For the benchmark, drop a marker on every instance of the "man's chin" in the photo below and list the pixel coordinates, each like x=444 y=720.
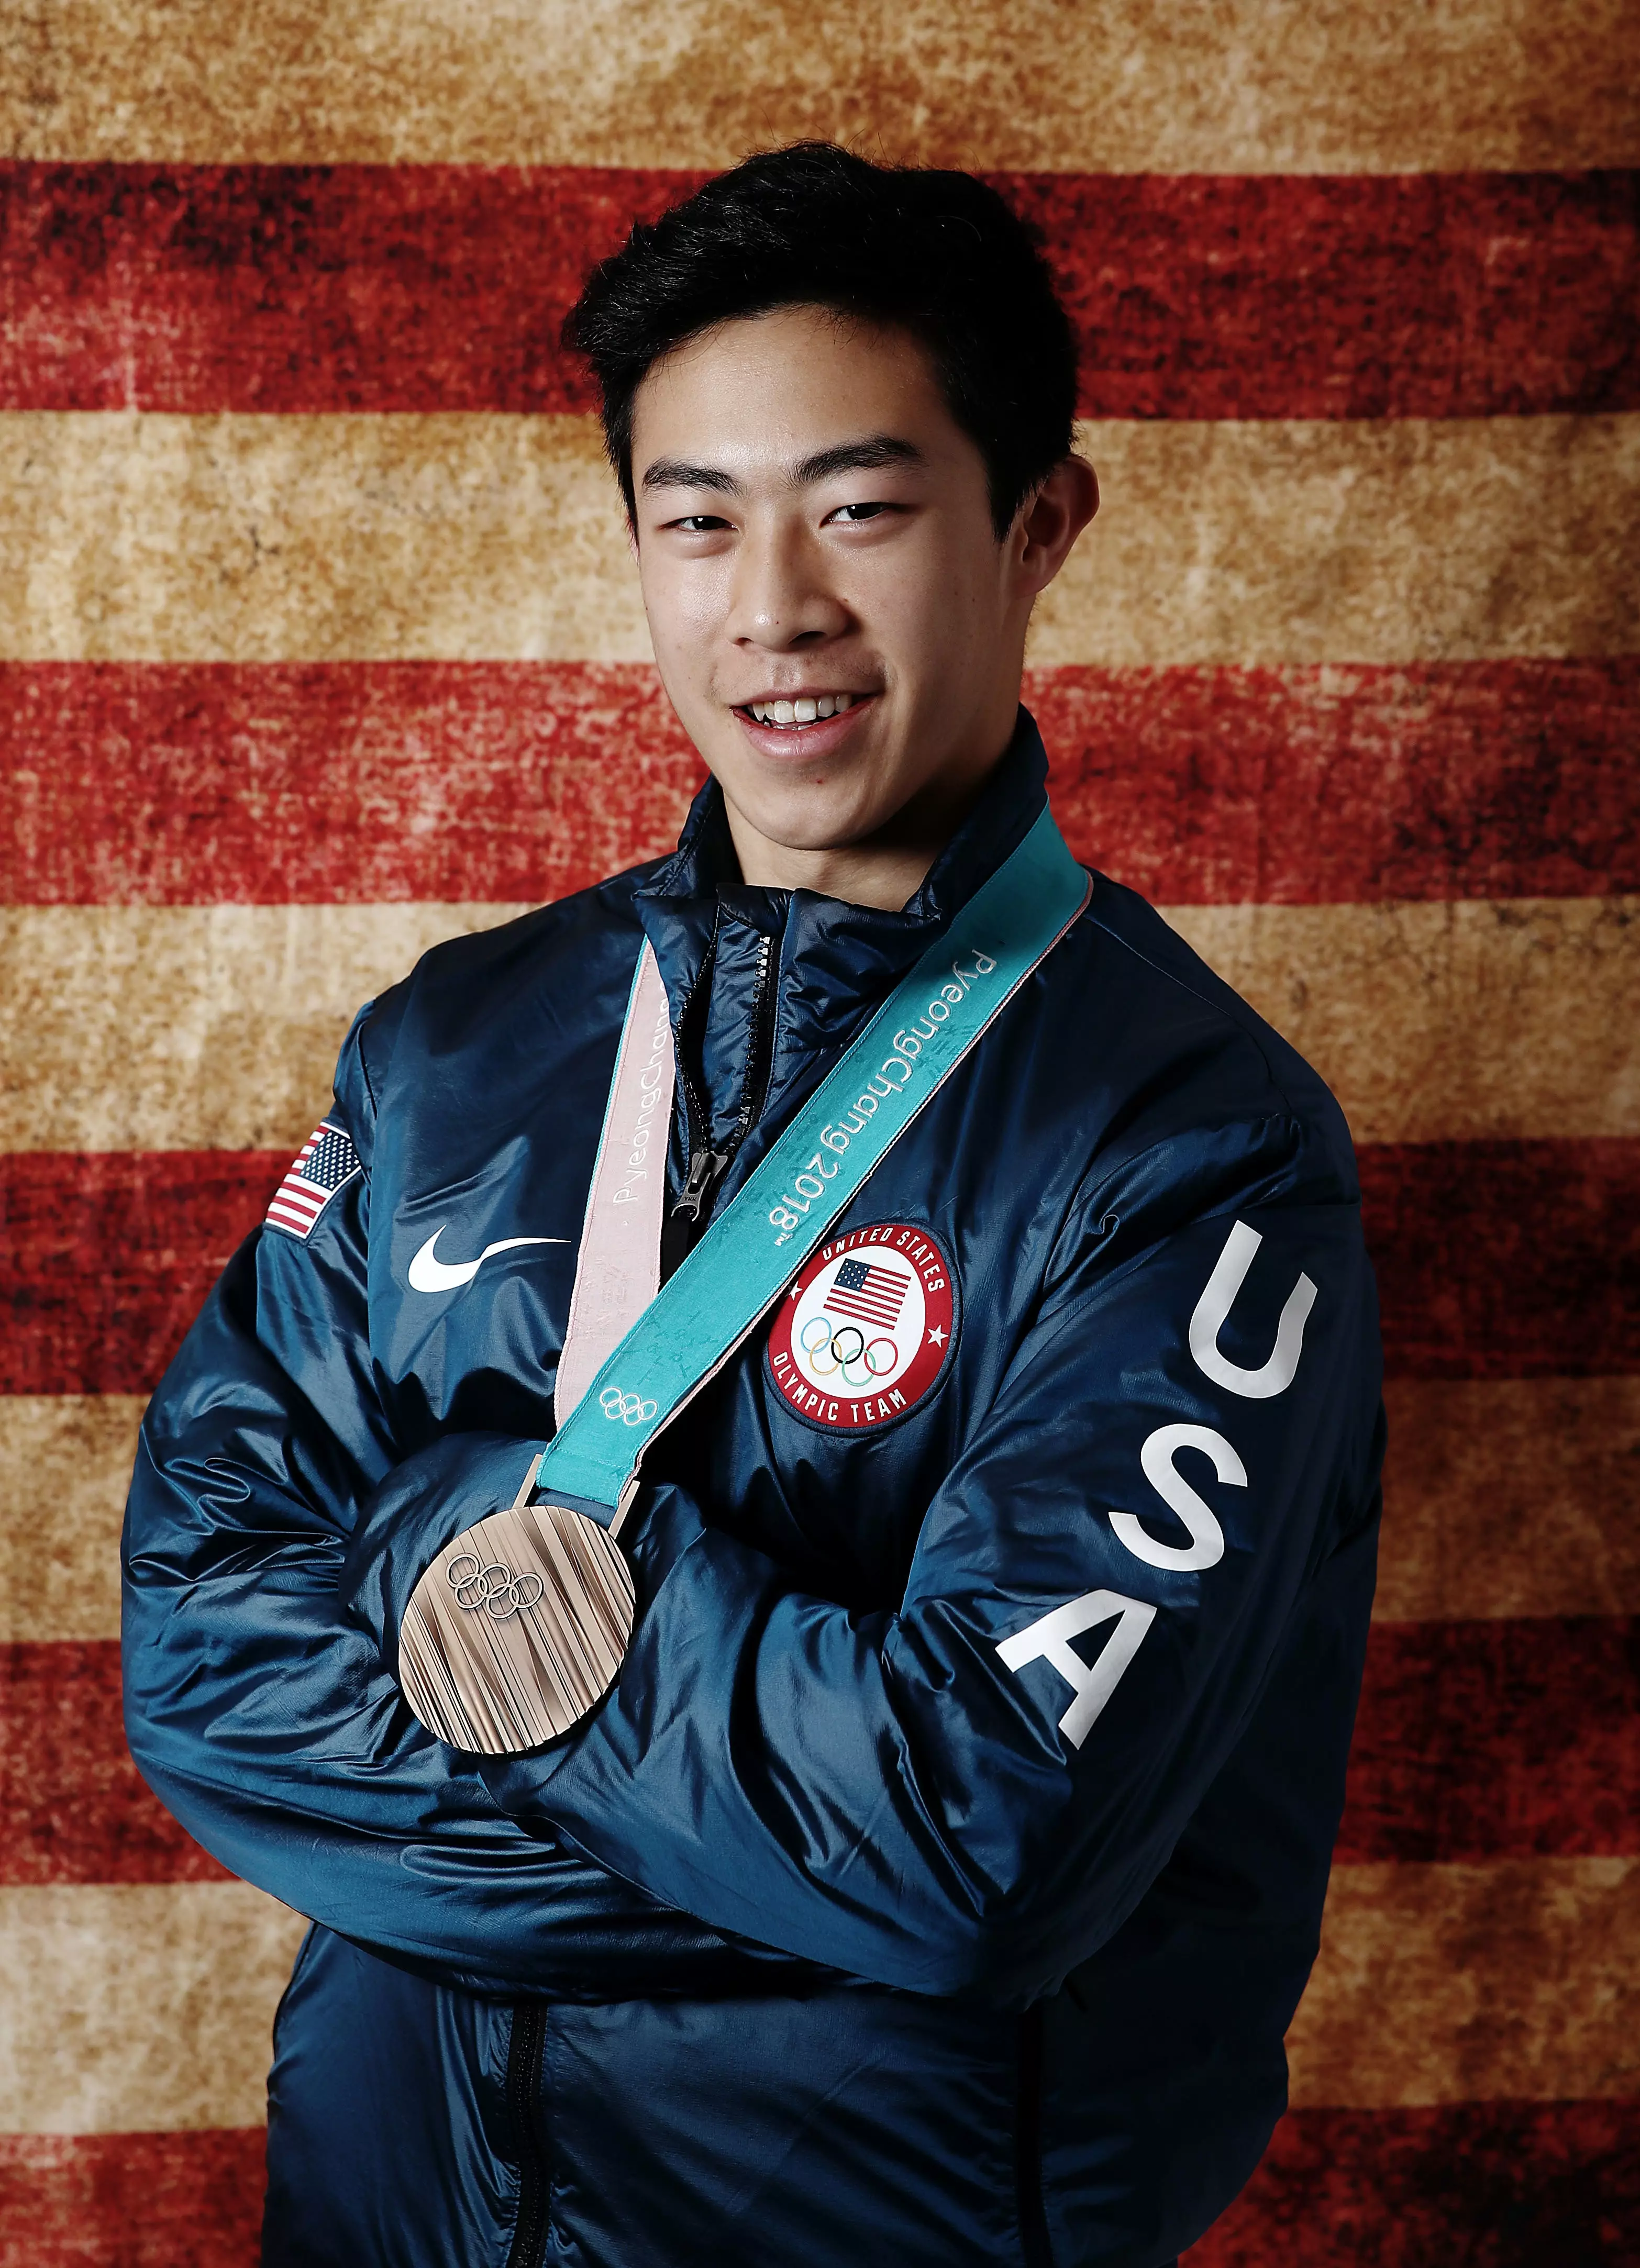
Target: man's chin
x=807 y=825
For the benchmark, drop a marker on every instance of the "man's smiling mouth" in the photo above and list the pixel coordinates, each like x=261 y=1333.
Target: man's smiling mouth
x=804 y=709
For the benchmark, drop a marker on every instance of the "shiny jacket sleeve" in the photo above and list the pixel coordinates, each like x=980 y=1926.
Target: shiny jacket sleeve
x=257 y=1706
x=972 y=1792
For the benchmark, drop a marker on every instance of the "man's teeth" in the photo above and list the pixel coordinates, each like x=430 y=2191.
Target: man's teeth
x=800 y=712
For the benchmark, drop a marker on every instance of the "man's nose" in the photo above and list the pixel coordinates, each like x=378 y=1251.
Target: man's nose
x=783 y=596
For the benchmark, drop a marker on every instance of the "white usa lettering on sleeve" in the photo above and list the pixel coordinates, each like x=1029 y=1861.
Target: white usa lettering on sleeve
x=1048 y=1638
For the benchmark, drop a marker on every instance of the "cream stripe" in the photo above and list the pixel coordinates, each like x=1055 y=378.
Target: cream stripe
x=493 y=537
x=191 y=1027
x=1508 y=1497
x=146 y=2007
x=1247 y=86
x=1512 y=1019
x=1462 y=1984
x=1290 y=541
x=313 y=539
x=1502 y=1497
x=65 y=1464
x=179 y=1028
x=151 y=2007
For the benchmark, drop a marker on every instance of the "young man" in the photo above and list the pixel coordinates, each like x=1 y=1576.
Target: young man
x=936 y=1879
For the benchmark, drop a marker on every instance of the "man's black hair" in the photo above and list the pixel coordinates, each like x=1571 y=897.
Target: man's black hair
x=938 y=254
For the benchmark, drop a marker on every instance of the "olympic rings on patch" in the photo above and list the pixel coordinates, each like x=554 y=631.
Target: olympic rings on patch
x=629 y=1409
x=845 y=1349
x=495 y=1588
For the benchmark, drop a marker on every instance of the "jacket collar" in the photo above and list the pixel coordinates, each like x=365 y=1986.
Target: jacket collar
x=837 y=961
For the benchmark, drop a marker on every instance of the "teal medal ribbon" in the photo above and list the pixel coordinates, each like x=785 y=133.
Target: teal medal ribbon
x=519 y=1626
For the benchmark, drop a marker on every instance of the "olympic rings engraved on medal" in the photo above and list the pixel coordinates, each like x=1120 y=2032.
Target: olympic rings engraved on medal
x=629 y=1409
x=496 y=1588
x=847 y=1348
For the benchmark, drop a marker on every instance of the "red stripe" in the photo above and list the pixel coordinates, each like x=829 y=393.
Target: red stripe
x=1496 y=1740
x=72 y=1806
x=432 y=287
x=1345 y=783
x=1505 y=1259
x=1526 y=2182
x=355 y=784
x=1424 y=295
x=1483 y=2184
x=1474 y=1742
x=189 y=2200
x=106 y=1260
x=364 y=782
x=1494 y=1259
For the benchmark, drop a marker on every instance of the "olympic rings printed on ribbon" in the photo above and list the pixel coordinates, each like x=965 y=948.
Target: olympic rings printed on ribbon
x=847 y=1346
x=630 y=1409
x=495 y=1588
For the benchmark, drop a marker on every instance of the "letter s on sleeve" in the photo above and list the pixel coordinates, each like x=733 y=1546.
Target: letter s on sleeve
x=1206 y=1547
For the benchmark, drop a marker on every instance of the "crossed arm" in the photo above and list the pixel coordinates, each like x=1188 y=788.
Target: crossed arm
x=967 y=1793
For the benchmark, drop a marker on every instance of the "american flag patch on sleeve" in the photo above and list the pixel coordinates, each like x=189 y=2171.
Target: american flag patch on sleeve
x=326 y=1162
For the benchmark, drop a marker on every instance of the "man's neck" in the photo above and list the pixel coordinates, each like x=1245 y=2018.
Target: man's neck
x=861 y=873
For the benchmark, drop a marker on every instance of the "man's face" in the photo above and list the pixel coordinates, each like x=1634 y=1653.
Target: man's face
x=834 y=617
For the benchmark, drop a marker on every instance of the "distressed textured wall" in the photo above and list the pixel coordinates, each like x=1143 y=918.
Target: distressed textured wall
x=318 y=641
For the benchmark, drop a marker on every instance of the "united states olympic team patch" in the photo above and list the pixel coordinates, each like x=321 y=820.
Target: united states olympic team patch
x=866 y=1329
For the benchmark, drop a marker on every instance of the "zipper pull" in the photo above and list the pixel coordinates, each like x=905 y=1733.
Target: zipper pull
x=703 y=1168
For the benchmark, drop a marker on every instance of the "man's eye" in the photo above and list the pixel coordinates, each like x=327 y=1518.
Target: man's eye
x=698 y=523
x=854 y=515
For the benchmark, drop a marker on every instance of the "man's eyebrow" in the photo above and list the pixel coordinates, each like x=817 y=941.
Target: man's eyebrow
x=674 y=473
x=865 y=456
x=868 y=456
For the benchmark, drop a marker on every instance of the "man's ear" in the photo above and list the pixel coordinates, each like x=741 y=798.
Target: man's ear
x=1050 y=522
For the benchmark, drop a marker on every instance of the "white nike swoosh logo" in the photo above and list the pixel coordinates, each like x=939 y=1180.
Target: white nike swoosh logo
x=427 y=1274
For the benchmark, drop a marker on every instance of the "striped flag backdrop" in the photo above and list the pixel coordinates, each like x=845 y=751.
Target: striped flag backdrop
x=319 y=642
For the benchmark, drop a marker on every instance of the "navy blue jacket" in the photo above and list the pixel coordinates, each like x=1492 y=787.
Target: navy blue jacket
x=844 y=1932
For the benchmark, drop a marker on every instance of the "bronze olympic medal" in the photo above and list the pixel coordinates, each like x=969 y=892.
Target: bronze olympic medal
x=516 y=1630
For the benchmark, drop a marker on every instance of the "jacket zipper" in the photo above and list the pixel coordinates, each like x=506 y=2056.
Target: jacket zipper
x=524 y=2098
x=704 y=1166
x=1035 y=2245
x=707 y=1166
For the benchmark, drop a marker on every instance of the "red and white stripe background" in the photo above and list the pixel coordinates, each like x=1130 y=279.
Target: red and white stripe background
x=318 y=641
